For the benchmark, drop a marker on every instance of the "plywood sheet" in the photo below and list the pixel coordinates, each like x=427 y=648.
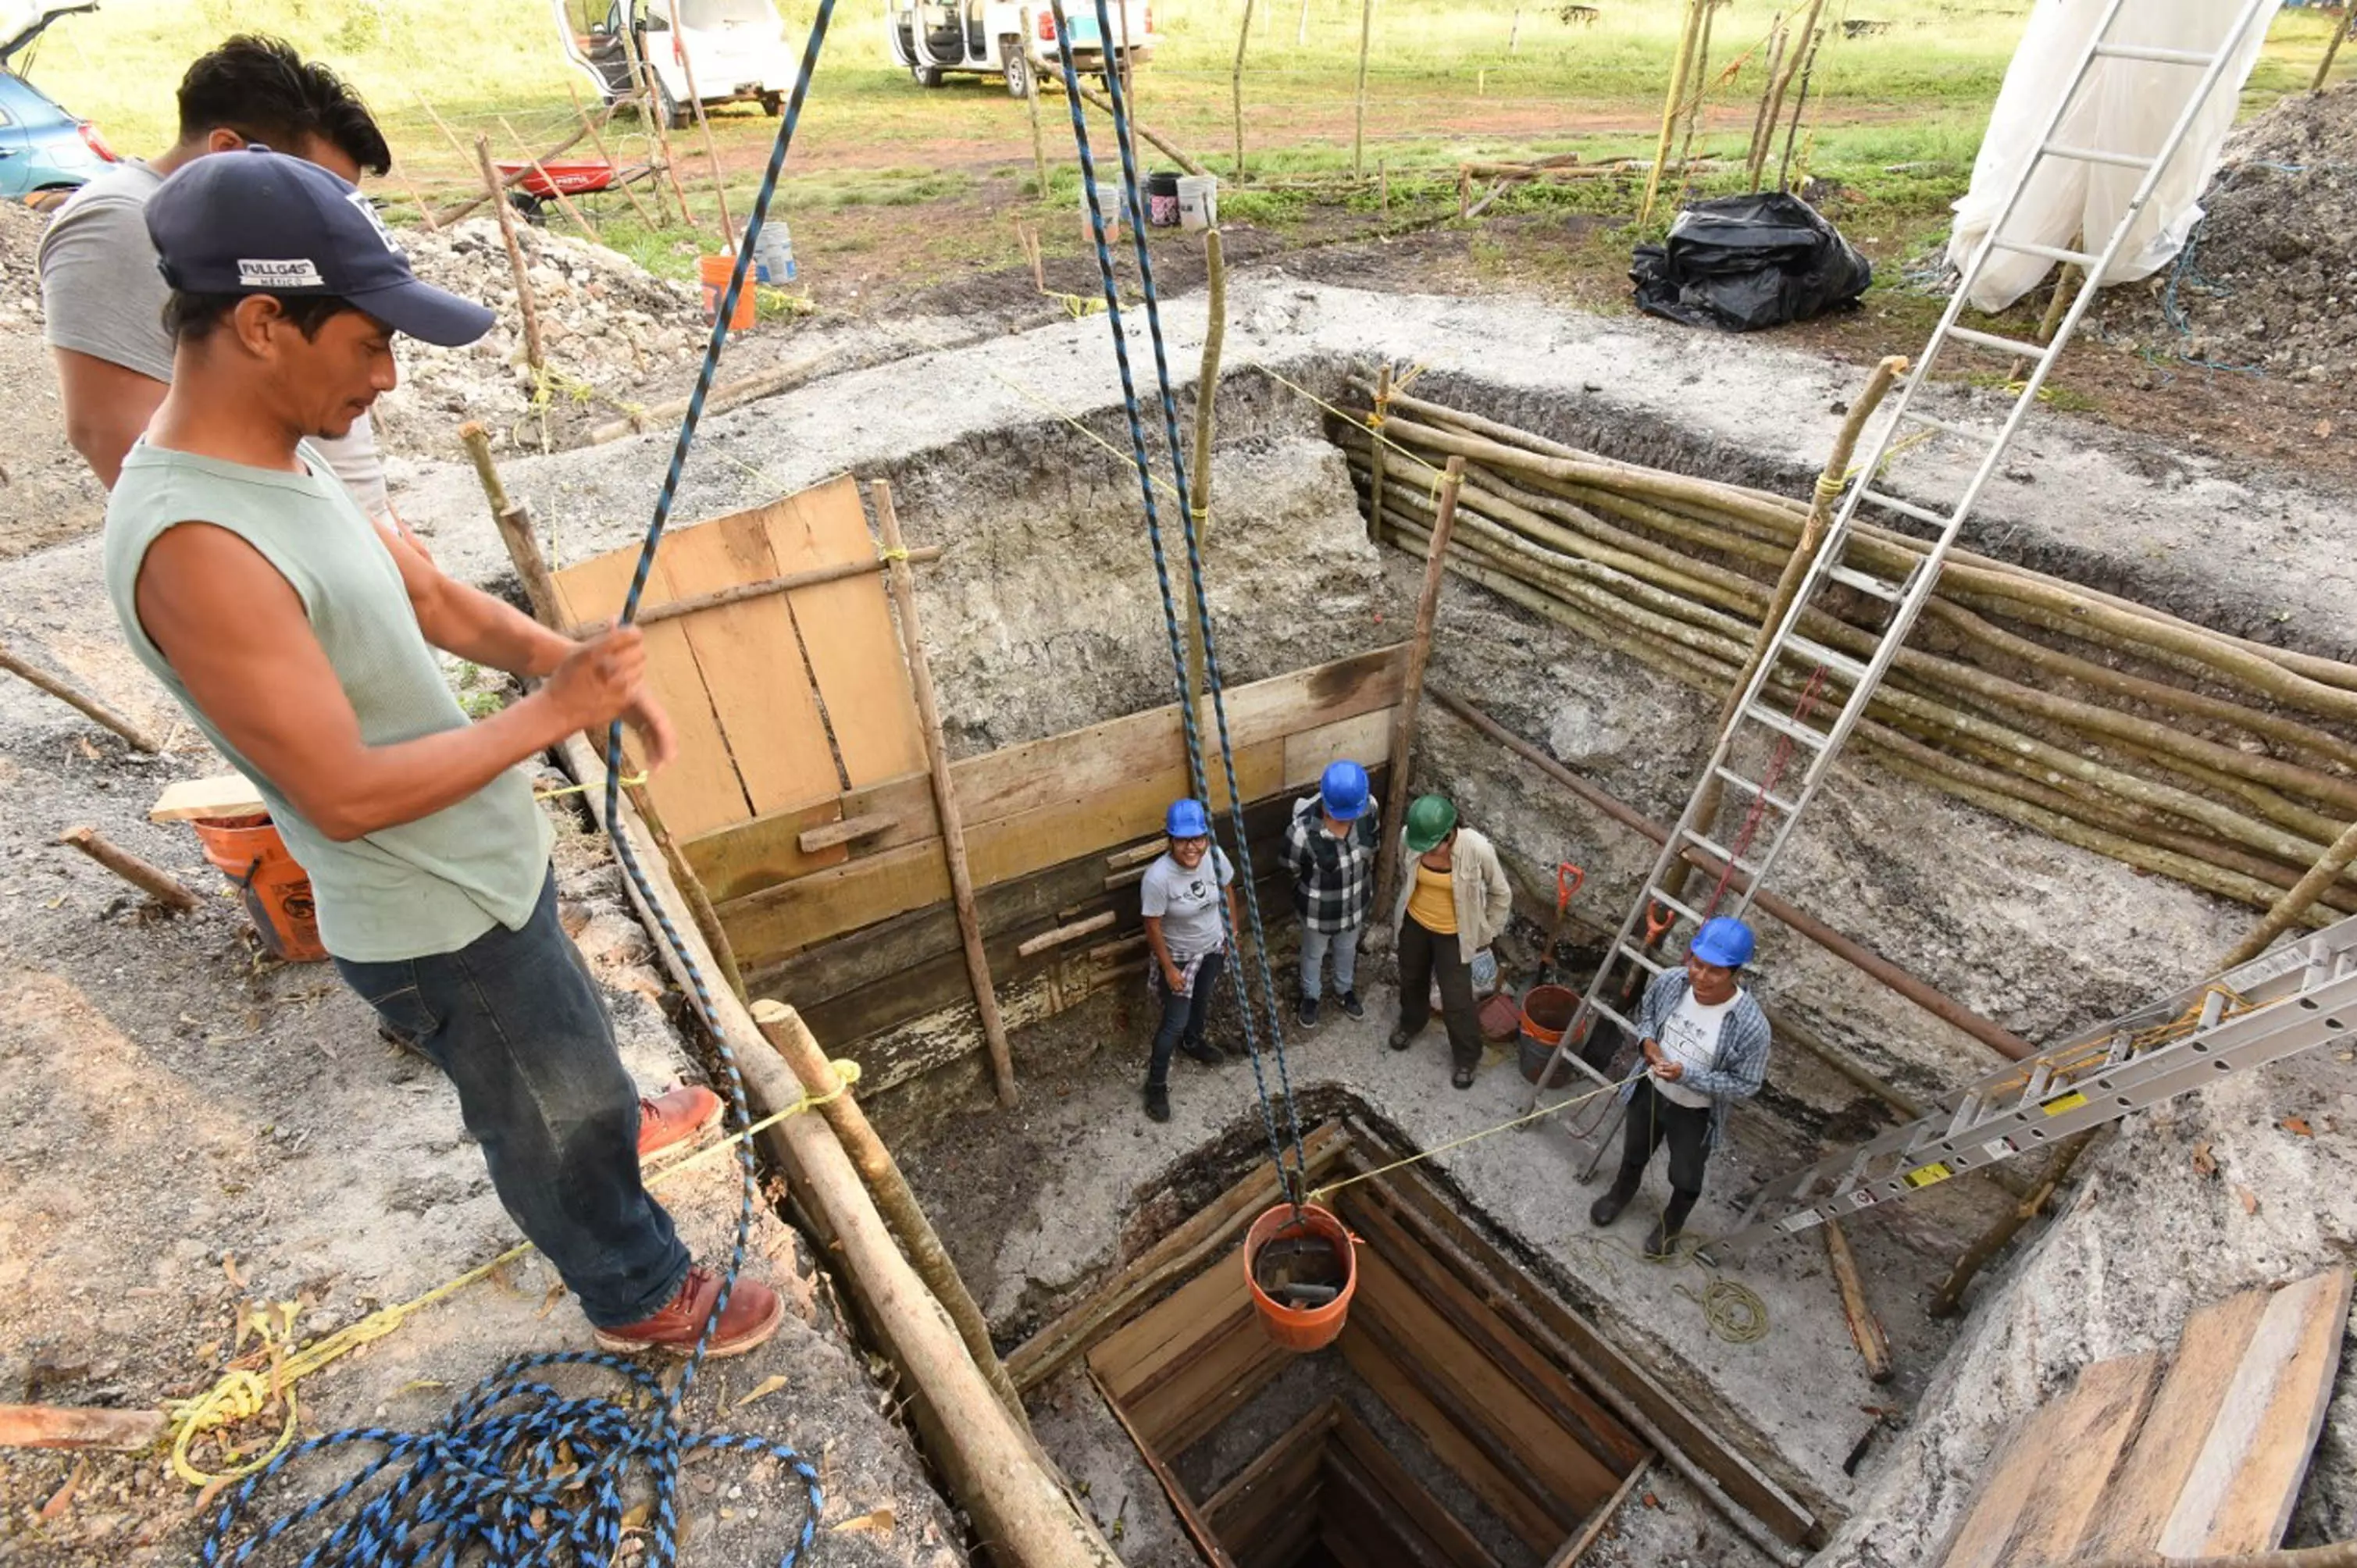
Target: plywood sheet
x=846 y=630
x=1366 y=740
x=2138 y=1505
x=1454 y=1542
x=752 y=665
x=2239 y=1495
x=2036 y=1502
x=1173 y=1326
x=699 y=790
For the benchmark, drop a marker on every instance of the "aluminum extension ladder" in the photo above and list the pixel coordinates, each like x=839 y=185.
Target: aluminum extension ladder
x=2300 y=996
x=1757 y=722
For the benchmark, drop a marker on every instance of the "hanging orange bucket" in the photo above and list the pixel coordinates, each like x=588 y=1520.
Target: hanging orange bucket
x=277 y=890
x=1302 y=1266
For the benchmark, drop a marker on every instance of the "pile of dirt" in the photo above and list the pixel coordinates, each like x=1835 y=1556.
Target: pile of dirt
x=2269 y=280
x=606 y=325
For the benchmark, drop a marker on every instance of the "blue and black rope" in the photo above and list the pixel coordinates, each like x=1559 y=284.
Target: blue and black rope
x=518 y=1471
x=1134 y=206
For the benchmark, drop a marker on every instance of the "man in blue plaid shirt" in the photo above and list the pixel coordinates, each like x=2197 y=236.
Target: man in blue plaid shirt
x=1332 y=844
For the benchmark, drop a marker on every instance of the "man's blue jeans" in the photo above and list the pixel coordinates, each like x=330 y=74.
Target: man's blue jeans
x=516 y=1022
x=1344 y=946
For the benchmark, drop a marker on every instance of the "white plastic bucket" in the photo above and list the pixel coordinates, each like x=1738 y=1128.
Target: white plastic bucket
x=1199 y=202
x=1108 y=203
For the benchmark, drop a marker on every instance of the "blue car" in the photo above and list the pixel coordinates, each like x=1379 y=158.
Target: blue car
x=42 y=147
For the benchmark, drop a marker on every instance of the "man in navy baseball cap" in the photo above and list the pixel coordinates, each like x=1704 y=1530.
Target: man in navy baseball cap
x=300 y=638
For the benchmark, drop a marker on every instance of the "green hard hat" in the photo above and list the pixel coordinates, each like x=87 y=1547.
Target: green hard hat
x=1429 y=820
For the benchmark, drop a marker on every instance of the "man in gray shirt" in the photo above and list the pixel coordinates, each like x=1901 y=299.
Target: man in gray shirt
x=100 y=288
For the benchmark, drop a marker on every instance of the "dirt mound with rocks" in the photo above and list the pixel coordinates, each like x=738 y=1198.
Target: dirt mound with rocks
x=2269 y=281
x=608 y=326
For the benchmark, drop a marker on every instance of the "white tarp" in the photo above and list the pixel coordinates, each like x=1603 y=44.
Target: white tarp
x=2126 y=106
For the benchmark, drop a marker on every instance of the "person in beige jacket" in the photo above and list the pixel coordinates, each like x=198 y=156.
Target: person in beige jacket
x=1454 y=900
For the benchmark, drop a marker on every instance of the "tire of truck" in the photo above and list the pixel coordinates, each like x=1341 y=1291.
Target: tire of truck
x=675 y=117
x=1019 y=81
x=773 y=104
x=925 y=75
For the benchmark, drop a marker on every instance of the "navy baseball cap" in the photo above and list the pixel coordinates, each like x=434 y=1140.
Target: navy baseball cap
x=257 y=221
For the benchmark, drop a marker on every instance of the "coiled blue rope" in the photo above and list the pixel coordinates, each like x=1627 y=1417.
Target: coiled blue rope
x=519 y=1474
x=1135 y=206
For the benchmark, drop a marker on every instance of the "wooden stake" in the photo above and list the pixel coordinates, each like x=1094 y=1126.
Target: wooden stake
x=64 y=1426
x=1796 y=47
x=1236 y=86
x=895 y=1199
x=1701 y=85
x=1015 y=1501
x=90 y=707
x=1031 y=104
x=1873 y=1344
x=1301 y=33
x=2297 y=901
x=1676 y=96
x=1419 y=652
x=425 y=213
x=2340 y=35
x=1800 y=108
x=1514 y=32
x=642 y=76
x=711 y=149
x=696 y=604
x=1377 y=462
x=1359 y=111
x=513 y=520
x=1168 y=147
x=1382 y=187
x=152 y=880
x=945 y=802
x=562 y=201
x=1950 y=1297
x=440 y=124
x=532 y=350
x=1752 y=155
x=652 y=218
x=1198 y=518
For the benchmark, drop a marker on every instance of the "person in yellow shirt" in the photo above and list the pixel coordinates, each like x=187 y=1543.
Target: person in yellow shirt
x=1454 y=900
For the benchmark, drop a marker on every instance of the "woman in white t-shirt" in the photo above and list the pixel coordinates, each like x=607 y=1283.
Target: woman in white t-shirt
x=1705 y=1045
x=1181 y=900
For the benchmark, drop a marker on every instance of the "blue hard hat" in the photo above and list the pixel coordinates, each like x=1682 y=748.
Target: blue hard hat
x=1725 y=942
x=1344 y=790
x=1187 y=820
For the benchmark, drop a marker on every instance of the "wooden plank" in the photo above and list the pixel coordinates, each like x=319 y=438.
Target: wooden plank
x=1366 y=740
x=2034 y=1505
x=1217 y=1225
x=1519 y=1433
x=810 y=841
x=699 y=790
x=1601 y=1520
x=2136 y=1507
x=746 y=857
x=1204 y=1334
x=1358 y=1510
x=1231 y=1369
x=1293 y=1487
x=752 y=666
x=1307 y=1435
x=2239 y=1497
x=1175 y=1326
x=1381 y=1370
x=1180 y=1502
x=1578 y=1348
x=185 y=800
x=1457 y=1544
x=1295 y=1533
x=846 y=630
x=1568 y=1405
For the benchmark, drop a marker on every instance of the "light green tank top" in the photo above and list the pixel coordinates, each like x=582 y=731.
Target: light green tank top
x=427 y=886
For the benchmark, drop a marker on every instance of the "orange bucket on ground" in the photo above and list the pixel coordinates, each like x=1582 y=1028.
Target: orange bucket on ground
x=1547 y=1011
x=278 y=891
x=713 y=271
x=1302 y=1267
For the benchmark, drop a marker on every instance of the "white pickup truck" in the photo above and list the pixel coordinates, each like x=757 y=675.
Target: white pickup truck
x=737 y=50
x=933 y=38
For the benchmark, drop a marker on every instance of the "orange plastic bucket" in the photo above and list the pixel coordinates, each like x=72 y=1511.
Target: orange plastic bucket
x=713 y=271
x=278 y=891
x=1318 y=1256
x=1547 y=1011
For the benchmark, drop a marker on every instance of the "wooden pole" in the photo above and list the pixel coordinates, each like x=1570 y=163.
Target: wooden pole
x=1796 y=47
x=1236 y=87
x=696 y=604
x=1873 y=1344
x=532 y=350
x=90 y=707
x=152 y=880
x=1376 y=462
x=993 y=1474
x=441 y=124
x=652 y=218
x=2340 y=1555
x=1169 y=149
x=1676 y=96
x=642 y=77
x=1601 y=1520
x=2340 y=35
x=711 y=148
x=2297 y=900
x=1752 y=155
x=1800 y=108
x=1359 y=121
x=1514 y=32
x=64 y=1426
x=945 y=802
x=1700 y=83
x=513 y=520
x=1199 y=517
x=1950 y=1297
x=895 y=1199
x=425 y=213
x=1419 y=652
x=562 y=201
x=1031 y=104
x=1301 y=32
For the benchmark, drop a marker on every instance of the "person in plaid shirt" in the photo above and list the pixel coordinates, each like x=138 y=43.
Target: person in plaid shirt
x=1331 y=845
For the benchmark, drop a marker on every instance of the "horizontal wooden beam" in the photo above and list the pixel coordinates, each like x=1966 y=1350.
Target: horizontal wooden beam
x=736 y=594
x=1037 y=945
x=851 y=830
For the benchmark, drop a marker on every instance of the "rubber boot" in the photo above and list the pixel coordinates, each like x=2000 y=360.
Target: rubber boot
x=1158 y=1101
x=1605 y=1209
x=1664 y=1242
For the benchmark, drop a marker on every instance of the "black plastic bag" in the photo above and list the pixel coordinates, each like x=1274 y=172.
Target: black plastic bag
x=1742 y=262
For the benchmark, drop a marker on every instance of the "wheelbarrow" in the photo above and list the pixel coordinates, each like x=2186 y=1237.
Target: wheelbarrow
x=531 y=188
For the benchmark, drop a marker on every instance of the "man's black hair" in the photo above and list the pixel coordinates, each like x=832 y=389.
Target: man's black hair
x=192 y=317
x=259 y=88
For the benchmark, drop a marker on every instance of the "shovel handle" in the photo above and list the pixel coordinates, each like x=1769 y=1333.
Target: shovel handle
x=1568 y=880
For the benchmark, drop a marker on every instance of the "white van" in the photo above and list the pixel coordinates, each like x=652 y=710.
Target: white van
x=738 y=50
x=933 y=38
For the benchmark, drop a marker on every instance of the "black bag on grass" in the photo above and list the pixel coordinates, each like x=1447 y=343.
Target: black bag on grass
x=1741 y=262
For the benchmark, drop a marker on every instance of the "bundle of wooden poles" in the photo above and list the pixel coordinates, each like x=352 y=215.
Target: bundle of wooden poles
x=2221 y=762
